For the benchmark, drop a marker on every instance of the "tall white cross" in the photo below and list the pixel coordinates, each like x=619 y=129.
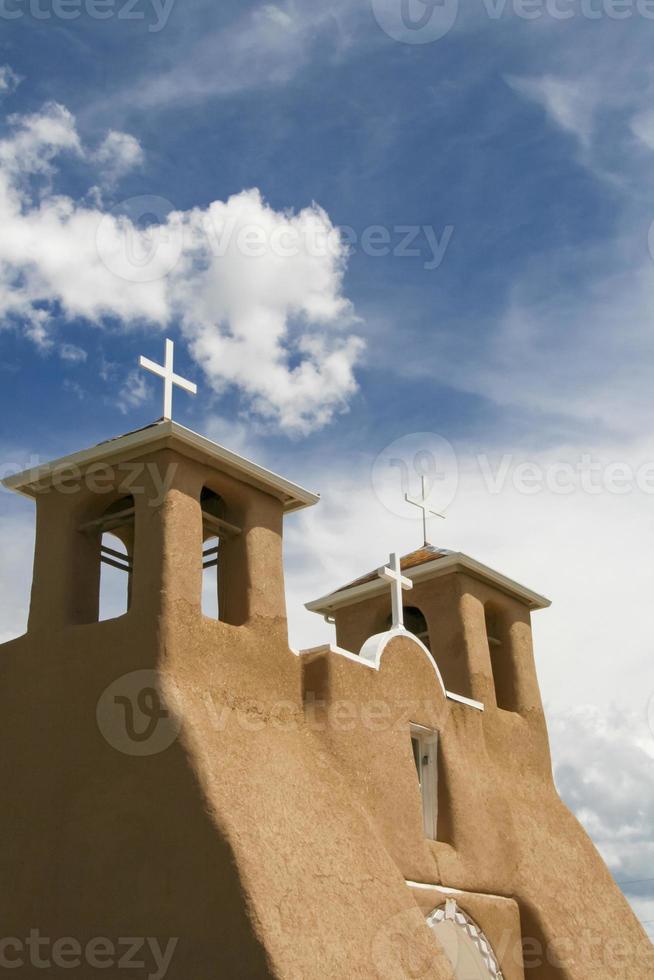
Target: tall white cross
x=423 y=505
x=393 y=574
x=170 y=378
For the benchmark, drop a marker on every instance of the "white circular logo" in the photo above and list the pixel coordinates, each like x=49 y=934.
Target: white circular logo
x=133 y=718
x=416 y=21
x=138 y=240
x=399 y=469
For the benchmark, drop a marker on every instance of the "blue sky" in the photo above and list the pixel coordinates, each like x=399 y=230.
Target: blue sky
x=523 y=147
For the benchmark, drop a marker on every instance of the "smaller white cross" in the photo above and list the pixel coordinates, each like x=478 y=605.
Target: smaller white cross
x=170 y=378
x=424 y=507
x=393 y=574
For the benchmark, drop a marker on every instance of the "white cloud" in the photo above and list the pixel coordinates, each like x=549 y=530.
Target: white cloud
x=258 y=292
x=72 y=353
x=642 y=126
x=9 y=80
x=17 y=532
x=267 y=46
x=134 y=392
x=603 y=769
x=117 y=155
x=35 y=141
x=253 y=310
x=569 y=103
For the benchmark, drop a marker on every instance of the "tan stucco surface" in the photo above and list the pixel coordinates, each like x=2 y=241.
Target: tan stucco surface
x=275 y=835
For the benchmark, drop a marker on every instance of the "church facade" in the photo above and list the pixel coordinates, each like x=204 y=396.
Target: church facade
x=382 y=807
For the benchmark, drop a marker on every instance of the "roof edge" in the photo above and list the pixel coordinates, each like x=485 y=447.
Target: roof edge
x=167 y=433
x=457 y=561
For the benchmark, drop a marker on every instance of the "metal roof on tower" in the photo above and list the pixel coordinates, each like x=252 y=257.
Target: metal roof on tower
x=424 y=563
x=165 y=434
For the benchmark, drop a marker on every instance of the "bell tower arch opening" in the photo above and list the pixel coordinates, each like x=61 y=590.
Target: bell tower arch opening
x=116 y=530
x=414 y=622
x=501 y=657
x=213 y=512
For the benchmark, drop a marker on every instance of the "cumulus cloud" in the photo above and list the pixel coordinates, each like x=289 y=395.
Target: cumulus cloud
x=117 y=155
x=257 y=292
x=604 y=762
x=35 y=141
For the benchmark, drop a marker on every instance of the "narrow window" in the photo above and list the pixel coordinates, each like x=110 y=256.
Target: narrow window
x=424 y=743
x=210 y=601
x=116 y=528
x=501 y=658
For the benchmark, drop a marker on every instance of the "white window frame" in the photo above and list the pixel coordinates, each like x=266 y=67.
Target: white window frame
x=427 y=771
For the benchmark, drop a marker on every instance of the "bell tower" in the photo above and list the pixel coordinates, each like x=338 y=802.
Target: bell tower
x=475 y=621
x=162 y=491
x=131 y=845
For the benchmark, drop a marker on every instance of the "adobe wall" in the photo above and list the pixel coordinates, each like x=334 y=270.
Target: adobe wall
x=453 y=606
x=506 y=831
x=239 y=838
x=275 y=833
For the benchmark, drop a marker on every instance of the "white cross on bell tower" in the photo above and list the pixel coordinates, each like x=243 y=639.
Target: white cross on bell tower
x=170 y=378
x=423 y=505
x=393 y=574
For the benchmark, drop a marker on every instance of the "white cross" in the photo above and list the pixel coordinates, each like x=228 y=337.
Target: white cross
x=394 y=575
x=424 y=507
x=170 y=378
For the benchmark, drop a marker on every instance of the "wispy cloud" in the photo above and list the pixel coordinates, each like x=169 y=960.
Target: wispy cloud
x=9 y=80
x=569 y=103
x=267 y=45
x=72 y=353
x=134 y=392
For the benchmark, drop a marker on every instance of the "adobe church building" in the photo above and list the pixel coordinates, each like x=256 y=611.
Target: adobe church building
x=380 y=808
